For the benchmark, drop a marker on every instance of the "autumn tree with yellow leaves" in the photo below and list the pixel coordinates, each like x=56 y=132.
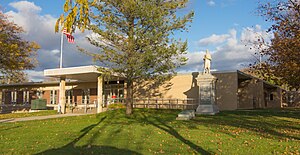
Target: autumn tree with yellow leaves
x=282 y=52
x=16 y=54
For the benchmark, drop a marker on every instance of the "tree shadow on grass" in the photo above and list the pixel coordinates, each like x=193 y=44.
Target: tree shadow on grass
x=9 y=128
x=89 y=149
x=266 y=123
x=71 y=147
x=163 y=126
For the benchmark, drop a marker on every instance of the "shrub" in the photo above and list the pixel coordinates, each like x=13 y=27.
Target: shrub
x=116 y=106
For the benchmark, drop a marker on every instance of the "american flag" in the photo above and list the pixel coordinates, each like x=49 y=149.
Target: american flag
x=69 y=36
x=70 y=39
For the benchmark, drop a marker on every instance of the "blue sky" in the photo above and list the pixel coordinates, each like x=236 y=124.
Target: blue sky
x=222 y=26
x=219 y=16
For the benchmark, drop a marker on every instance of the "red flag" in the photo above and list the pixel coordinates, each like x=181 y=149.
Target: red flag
x=70 y=39
x=69 y=36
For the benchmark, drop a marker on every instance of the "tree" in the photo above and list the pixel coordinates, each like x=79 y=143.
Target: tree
x=14 y=77
x=282 y=52
x=17 y=54
x=135 y=41
x=77 y=15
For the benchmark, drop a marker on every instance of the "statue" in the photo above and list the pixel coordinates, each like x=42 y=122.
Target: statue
x=207 y=89
x=207 y=60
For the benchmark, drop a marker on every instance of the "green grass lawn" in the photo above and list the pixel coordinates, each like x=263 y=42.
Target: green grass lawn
x=156 y=132
x=28 y=114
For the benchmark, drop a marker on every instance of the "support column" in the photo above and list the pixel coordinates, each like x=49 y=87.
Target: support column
x=85 y=100
x=279 y=98
x=62 y=95
x=99 y=94
x=260 y=94
x=2 y=96
x=69 y=99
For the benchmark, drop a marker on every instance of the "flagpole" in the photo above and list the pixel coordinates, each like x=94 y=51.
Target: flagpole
x=61 y=49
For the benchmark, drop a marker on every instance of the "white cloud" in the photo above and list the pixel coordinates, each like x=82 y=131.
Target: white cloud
x=211 y=2
x=194 y=62
x=236 y=24
x=213 y=39
x=229 y=52
x=40 y=28
x=25 y=6
x=35 y=75
x=254 y=33
x=55 y=51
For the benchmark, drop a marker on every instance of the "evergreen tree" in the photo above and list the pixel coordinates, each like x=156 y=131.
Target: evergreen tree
x=135 y=38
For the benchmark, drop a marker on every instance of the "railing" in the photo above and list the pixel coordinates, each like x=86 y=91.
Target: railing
x=75 y=106
x=88 y=106
x=165 y=103
x=157 y=103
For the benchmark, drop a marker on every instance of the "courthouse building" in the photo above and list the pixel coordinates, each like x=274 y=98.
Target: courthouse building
x=85 y=88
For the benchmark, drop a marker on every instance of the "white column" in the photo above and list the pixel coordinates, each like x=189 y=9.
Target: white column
x=69 y=98
x=24 y=96
x=85 y=100
x=62 y=95
x=99 y=94
x=27 y=99
x=2 y=96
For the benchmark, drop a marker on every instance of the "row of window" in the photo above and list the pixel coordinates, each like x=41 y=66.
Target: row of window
x=110 y=91
x=69 y=96
x=53 y=96
x=25 y=96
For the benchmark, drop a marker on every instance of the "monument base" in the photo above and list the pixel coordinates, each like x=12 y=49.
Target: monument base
x=210 y=109
x=186 y=115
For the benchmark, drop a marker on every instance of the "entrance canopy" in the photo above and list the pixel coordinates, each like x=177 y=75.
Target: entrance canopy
x=81 y=73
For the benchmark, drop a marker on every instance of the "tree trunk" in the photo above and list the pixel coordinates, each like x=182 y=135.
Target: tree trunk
x=129 y=98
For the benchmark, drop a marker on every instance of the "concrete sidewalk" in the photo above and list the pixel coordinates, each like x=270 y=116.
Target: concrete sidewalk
x=38 y=118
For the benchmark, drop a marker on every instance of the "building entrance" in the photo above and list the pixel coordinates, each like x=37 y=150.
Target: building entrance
x=113 y=92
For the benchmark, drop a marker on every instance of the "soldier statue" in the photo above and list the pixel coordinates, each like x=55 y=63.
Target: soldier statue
x=207 y=60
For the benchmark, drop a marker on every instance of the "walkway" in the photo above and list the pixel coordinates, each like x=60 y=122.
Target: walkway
x=38 y=118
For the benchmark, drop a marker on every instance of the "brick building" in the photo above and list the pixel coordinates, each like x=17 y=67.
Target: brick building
x=79 y=87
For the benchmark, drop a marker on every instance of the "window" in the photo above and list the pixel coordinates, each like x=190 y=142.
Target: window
x=39 y=94
x=113 y=91
x=53 y=94
x=69 y=96
x=290 y=98
x=25 y=96
x=3 y=97
x=14 y=97
x=271 y=97
x=86 y=96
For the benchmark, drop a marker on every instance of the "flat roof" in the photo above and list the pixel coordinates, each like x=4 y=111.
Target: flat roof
x=212 y=72
x=42 y=83
x=81 y=73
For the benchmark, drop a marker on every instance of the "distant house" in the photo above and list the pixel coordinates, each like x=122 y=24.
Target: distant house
x=80 y=87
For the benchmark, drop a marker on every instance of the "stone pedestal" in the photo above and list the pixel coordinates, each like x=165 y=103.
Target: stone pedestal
x=207 y=89
x=186 y=115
